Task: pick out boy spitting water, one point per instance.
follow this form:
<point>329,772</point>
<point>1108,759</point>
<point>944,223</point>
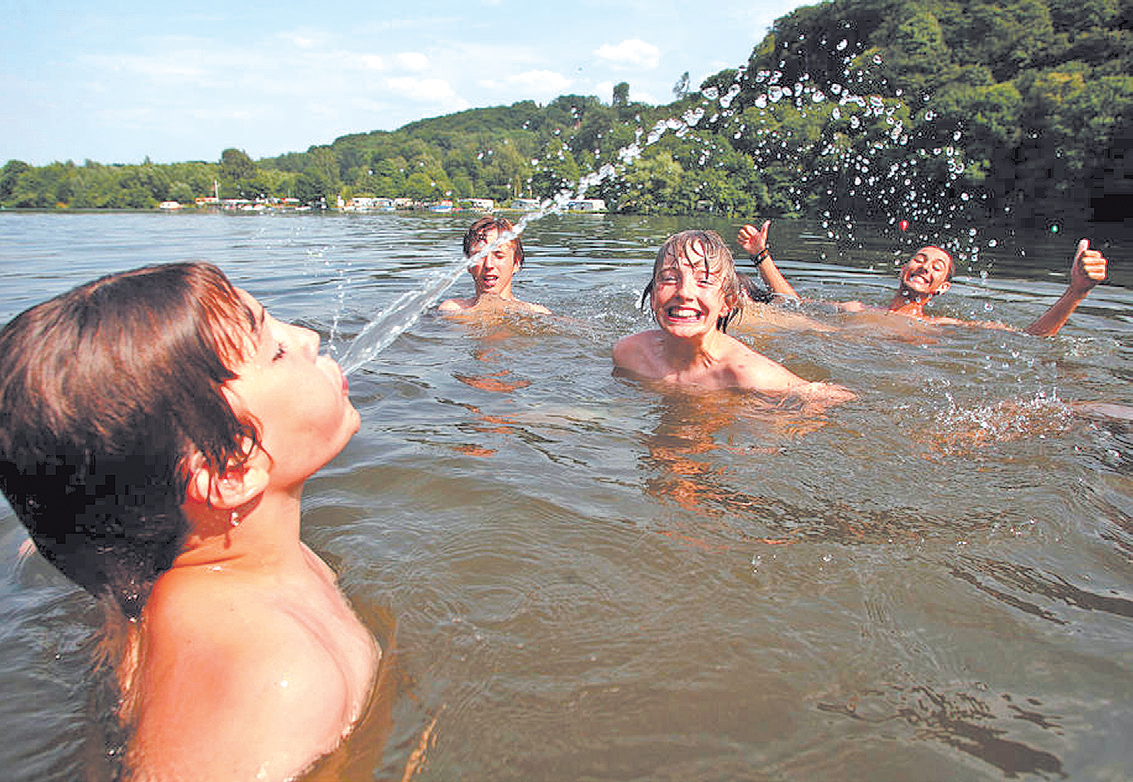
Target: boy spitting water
<point>156,430</point>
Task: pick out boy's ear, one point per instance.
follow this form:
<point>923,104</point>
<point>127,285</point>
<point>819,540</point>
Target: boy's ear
<point>237,485</point>
<point>944,286</point>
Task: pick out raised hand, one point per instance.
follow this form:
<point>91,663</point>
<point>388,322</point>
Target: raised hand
<point>753,239</point>
<point>1088,269</point>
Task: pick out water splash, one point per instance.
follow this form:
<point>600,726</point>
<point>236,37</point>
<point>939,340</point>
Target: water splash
<point>380,332</point>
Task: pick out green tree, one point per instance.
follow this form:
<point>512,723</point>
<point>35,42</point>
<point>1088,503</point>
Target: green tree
<point>681,88</point>
<point>621,95</point>
<point>237,172</point>
<point>311,188</point>
<point>9,176</point>
<point>322,164</point>
<point>420,187</point>
<point>555,172</point>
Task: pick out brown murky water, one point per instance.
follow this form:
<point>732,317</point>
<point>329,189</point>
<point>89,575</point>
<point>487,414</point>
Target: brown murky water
<point>584,579</point>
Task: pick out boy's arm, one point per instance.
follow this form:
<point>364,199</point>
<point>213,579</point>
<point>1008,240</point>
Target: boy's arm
<point>1086,271</point>
<point>754,240</point>
<point>760,373</point>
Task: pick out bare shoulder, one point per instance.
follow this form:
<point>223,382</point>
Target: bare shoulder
<point>517,305</point>
<point>218,657</point>
<point>454,305</point>
<point>637,353</point>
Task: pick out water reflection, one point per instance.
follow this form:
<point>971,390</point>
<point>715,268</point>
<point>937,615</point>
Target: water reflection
<point>981,572</point>
<point>967,720</point>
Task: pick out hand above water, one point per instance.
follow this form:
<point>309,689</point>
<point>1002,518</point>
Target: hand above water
<point>753,239</point>
<point>1088,268</point>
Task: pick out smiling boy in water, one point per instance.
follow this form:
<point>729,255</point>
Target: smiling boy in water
<point>156,430</point>
<point>492,264</point>
<point>929,273</point>
<point>693,295</point>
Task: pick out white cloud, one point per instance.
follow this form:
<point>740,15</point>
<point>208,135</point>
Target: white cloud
<point>632,51</point>
<point>425,90</point>
<point>301,40</point>
<point>373,62</point>
<point>413,61</point>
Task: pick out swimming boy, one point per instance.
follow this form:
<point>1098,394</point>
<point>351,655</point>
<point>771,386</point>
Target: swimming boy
<point>156,430</point>
<point>693,295</point>
<point>492,264</point>
<point>929,273</point>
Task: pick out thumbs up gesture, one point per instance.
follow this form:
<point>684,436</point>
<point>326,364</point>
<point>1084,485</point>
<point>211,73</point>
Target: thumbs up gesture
<point>1088,269</point>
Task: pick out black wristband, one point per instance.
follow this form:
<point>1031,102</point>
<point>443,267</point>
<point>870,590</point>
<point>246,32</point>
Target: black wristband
<point>761,256</point>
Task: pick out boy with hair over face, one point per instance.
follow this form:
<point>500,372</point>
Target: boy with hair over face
<point>492,263</point>
<point>694,294</point>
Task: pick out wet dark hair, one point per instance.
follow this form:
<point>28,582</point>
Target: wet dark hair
<point>716,255</point>
<point>106,392</point>
<point>754,292</point>
<point>479,230</point>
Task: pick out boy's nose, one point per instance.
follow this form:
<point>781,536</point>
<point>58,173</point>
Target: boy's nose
<point>309,340</point>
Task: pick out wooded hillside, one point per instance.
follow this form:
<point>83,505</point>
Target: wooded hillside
<point>850,109</point>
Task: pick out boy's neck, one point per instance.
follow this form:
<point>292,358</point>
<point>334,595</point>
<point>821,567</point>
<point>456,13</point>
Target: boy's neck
<point>910,305</point>
<point>690,354</point>
<point>262,534</point>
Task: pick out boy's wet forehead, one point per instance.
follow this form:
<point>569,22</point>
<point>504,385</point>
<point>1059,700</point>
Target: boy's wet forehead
<point>691,255</point>
<point>239,325</point>
<point>485,239</point>
<point>930,254</point>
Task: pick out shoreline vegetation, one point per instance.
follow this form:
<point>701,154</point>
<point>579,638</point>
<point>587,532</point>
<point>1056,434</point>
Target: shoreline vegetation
<point>847,110</point>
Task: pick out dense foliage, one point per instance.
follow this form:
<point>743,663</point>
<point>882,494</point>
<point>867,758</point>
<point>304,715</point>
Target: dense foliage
<point>848,109</point>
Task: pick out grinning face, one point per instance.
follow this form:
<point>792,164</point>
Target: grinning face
<point>492,272</point>
<point>926,273</point>
<point>688,293</point>
<point>297,397</point>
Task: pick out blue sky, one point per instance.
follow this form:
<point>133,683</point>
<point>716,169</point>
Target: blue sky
<point>116,81</point>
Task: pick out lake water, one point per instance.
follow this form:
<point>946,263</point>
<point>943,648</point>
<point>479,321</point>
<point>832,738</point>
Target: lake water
<point>585,579</point>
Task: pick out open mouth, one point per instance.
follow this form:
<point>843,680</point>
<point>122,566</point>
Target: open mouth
<point>683,315</point>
